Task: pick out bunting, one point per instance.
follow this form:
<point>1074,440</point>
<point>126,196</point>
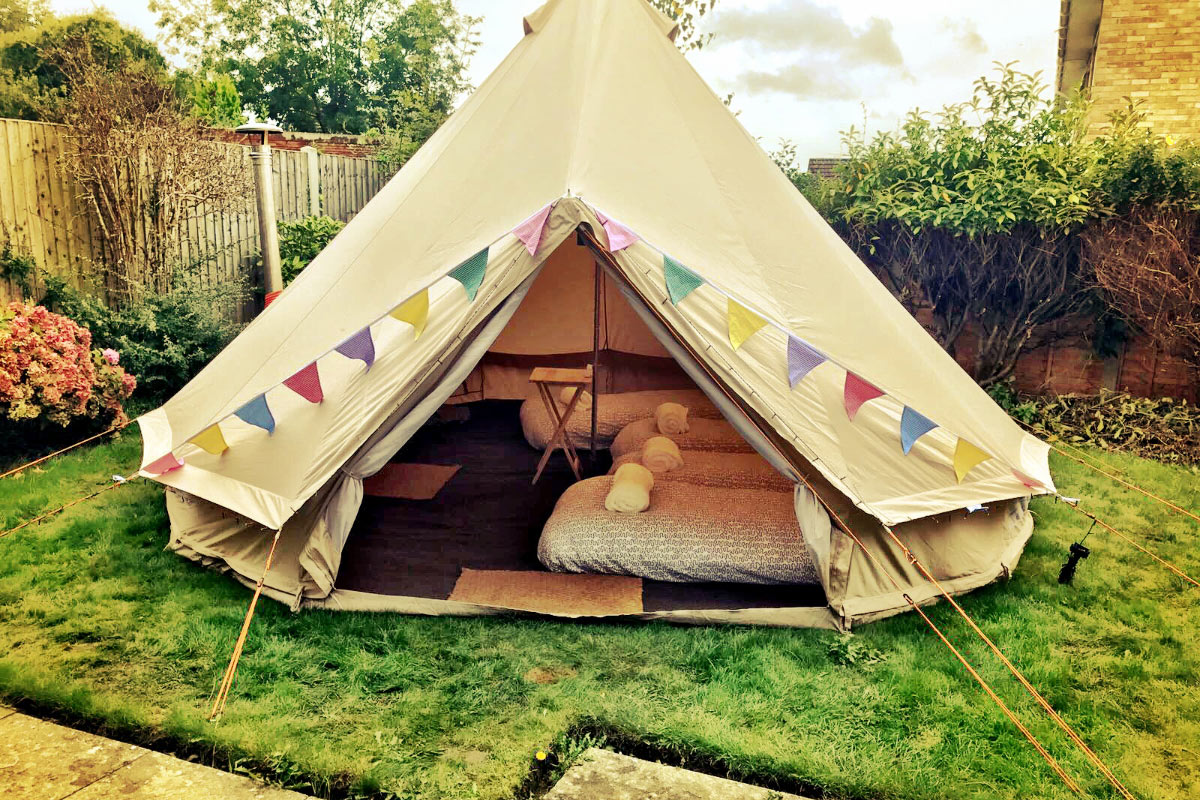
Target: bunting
<point>360,346</point>
<point>966,457</point>
<point>619,237</point>
<point>210,440</point>
<point>258,414</point>
<point>530,231</point>
<point>743,323</point>
<point>913,426</point>
<point>414,311</point>
<point>161,466</point>
<point>307,384</point>
<point>802,360</point>
<point>681,281</point>
<point>470,273</point>
<point>856,392</point>
<point>1030,483</point>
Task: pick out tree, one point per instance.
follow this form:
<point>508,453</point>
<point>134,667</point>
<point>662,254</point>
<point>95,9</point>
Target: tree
<point>688,14</point>
<point>211,98</point>
<point>971,214</point>
<point>33,81</point>
<point>16,15</point>
<point>335,66</point>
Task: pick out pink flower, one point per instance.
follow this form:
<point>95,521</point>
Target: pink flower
<point>111,356</point>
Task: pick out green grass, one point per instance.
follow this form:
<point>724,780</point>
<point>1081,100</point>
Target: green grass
<point>99,625</point>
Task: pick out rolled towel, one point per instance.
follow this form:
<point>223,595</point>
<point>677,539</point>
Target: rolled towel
<point>671,419</point>
<point>585,399</point>
<point>660,454</point>
<point>630,492</point>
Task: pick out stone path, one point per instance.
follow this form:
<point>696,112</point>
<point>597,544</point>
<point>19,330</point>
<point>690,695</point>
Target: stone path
<point>43,761</point>
<point>602,775</point>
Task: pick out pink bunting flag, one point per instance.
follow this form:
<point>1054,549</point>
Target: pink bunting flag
<point>307,384</point>
<point>857,392</point>
<point>530,231</point>
<point>619,237</point>
<point>161,466</point>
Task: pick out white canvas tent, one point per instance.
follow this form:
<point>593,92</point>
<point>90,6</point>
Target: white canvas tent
<point>596,115</point>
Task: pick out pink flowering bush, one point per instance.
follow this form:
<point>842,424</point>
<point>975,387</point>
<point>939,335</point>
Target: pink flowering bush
<point>50,377</point>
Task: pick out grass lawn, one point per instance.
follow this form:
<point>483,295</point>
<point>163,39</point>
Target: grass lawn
<point>99,625</point>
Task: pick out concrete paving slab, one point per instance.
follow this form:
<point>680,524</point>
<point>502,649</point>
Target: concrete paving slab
<point>603,775</point>
<point>43,761</point>
<point>155,776</point>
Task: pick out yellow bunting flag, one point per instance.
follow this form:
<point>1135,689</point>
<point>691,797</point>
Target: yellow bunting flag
<point>210,439</point>
<point>743,323</point>
<point>966,457</point>
<point>414,311</point>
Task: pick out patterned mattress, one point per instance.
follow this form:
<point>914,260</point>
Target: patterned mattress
<point>613,412</point>
<point>703,434</point>
<point>723,470</point>
<point>689,534</point>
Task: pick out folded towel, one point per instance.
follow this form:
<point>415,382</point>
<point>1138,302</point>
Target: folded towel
<point>671,419</point>
<point>660,454</point>
<point>585,399</point>
<point>630,492</point>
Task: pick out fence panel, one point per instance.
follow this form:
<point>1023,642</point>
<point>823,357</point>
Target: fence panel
<point>43,216</point>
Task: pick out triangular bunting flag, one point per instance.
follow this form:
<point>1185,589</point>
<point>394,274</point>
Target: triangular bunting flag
<point>359,346</point>
<point>1030,483</point>
<point>161,466</point>
<point>530,231</point>
<point>681,281</point>
<point>307,384</point>
<point>856,392</point>
<point>966,457</point>
<point>619,237</point>
<point>210,439</point>
<point>802,360</point>
<point>470,272</point>
<point>414,311</point>
<point>257,413</point>
<point>912,427</point>
<point>743,323</point>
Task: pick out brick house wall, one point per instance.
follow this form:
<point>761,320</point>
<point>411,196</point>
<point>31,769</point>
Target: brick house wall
<point>333,144</point>
<point>1147,50</point>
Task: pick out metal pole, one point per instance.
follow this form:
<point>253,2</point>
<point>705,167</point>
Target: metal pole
<point>595,355</point>
<point>268,233</point>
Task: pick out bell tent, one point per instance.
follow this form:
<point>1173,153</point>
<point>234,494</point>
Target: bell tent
<point>593,202</point>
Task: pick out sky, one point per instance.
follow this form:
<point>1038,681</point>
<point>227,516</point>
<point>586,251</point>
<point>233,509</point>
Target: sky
<point>806,70</point>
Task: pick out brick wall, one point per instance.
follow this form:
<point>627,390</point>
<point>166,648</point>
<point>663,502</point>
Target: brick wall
<point>1149,50</point>
<point>332,144</point>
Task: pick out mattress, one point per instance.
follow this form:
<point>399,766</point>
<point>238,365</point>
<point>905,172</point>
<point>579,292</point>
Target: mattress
<point>690,534</point>
<point>703,434</point>
<point>613,412</point>
<point>722,470</point>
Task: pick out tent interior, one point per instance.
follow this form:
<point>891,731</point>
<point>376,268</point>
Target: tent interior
<point>490,515</point>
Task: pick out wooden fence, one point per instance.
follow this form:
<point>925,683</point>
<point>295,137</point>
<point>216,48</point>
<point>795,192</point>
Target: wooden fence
<point>42,215</point>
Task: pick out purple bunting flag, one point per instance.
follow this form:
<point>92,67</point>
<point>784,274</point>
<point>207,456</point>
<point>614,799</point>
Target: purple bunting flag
<point>802,359</point>
<point>359,346</point>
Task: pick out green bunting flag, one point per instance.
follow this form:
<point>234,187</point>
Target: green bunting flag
<point>470,273</point>
<point>681,281</point>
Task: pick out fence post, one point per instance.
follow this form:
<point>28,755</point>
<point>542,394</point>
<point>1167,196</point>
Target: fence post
<point>314,179</point>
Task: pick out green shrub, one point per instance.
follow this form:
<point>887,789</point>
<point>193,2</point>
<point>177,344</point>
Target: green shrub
<point>163,339</point>
<point>300,240</point>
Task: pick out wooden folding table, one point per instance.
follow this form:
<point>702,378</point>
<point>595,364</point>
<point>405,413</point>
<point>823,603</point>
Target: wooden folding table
<point>547,380</point>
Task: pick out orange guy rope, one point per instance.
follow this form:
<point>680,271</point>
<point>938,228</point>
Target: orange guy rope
<point>44,458</point>
<point>1049,709</point>
<point>64,507</point>
<point>1054,765</point>
<point>1120,535</point>
<point>227,681</point>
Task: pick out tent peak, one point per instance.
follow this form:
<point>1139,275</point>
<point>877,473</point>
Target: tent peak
<point>534,22</point>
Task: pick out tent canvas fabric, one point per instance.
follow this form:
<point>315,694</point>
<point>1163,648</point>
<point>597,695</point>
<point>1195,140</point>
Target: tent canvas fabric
<point>596,115</point>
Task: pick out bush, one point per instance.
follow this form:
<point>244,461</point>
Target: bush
<point>164,339</point>
<point>52,380</point>
<point>300,240</point>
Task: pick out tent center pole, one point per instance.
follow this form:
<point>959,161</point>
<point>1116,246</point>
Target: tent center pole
<point>595,356</point>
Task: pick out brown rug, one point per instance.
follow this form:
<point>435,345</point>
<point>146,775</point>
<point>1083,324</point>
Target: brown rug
<point>409,481</point>
<point>567,595</point>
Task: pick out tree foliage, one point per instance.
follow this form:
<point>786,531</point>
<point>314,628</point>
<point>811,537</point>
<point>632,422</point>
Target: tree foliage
<point>34,83</point>
<point>335,66</point>
<point>211,98</point>
<point>688,14</point>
